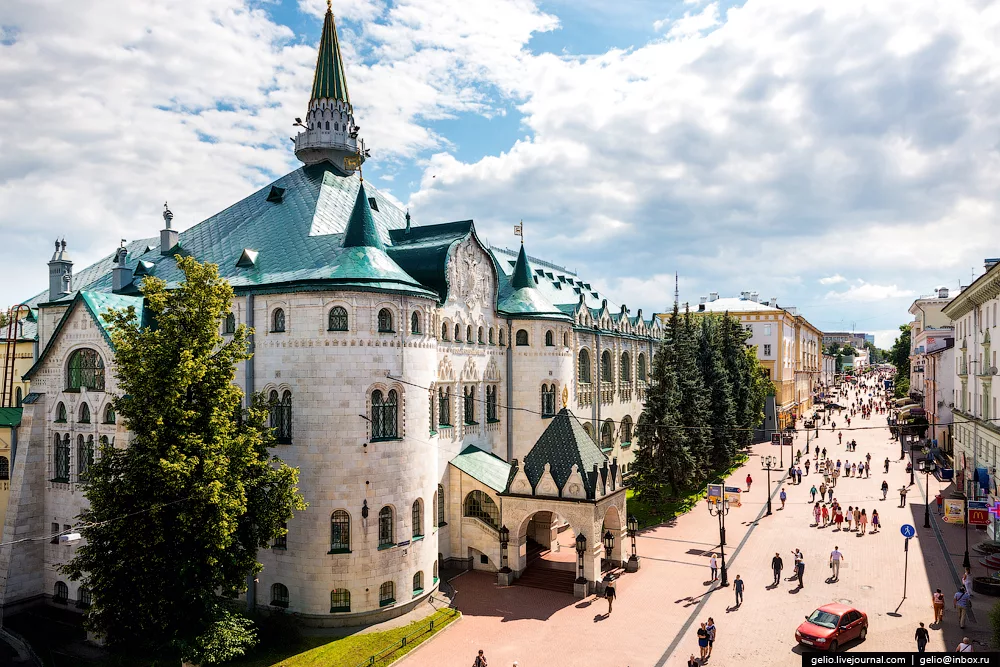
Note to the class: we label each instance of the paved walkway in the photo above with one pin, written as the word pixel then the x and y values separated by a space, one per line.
pixel 655 617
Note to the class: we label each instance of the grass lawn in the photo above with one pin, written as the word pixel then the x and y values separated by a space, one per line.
pixel 652 515
pixel 351 650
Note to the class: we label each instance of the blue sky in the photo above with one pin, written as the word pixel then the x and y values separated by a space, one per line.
pixel 838 156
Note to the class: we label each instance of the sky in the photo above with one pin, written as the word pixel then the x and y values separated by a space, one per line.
pixel 840 156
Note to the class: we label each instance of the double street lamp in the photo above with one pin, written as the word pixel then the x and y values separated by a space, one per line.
pixel 769 463
pixel 927 466
pixel 721 509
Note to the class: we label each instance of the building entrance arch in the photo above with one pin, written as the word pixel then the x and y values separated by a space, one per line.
pixel 546 555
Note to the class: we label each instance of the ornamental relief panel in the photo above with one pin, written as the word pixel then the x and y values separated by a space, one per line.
pixel 470 277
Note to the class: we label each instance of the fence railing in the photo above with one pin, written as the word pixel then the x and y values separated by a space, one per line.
pixel 387 655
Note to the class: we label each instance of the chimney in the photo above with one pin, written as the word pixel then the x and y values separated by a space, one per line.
pixel 168 236
pixel 60 272
pixel 990 262
pixel 121 275
pixel 713 296
pixel 755 297
pixel 773 302
pixel 942 292
pixel 744 296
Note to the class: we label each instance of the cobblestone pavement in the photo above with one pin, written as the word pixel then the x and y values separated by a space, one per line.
pixel 658 609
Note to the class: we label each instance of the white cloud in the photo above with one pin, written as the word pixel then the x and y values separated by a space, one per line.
pixel 832 280
pixel 863 292
pixel 690 24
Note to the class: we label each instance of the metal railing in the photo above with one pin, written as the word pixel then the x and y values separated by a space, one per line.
pixel 387 655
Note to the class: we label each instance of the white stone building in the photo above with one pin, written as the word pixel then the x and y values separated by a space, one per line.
pixel 430 389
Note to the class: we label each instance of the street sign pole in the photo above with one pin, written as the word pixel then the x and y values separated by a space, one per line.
pixel 906 563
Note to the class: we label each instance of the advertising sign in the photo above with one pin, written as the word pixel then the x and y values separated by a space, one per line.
pixel 787 440
pixel 979 513
pixel 954 510
pixel 775 438
pixel 714 494
pixel 733 496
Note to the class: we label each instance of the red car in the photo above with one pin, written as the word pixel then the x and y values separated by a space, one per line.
pixel 831 626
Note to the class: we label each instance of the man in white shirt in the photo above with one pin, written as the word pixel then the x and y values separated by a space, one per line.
pixel 714 566
pixel 835 558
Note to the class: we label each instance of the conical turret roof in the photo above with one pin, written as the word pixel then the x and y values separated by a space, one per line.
pixel 361 230
pixel 521 297
pixel 330 82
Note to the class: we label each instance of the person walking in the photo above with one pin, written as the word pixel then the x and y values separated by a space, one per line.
pixel 609 594
pixel 835 559
pixel 961 602
pixel 749 482
pixel 776 566
pixel 849 517
pixel 807 467
pixel 857 518
pixel 863 522
pixel 738 589
pixel 703 642
pixel 713 566
pixel 824 453
pixel 822 490
pixel 965 646
pixel 480 660
pixel 885 489
pixel 711 636
pixel 966 578
pixel 826 516
pixel 812 494
pixel 800 569
pixel 868 469
pixel 817 513
pixel 829 493
pixel 887 465
pixel 782 496
pixel 902 496
pixel 838 518
pixel 693 661
pixel 938 601
pixel 875 521
pixel 922 638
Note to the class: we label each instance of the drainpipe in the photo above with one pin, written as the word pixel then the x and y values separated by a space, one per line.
pixel 510 395
pixel 595 409
pixel 248 389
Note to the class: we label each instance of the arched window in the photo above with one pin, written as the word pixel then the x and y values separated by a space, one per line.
pixel 435 571
pixel 548 400
pixel 18 397
pixel 626 367
pixel 549 339
pixel 84 598
pixel 61 463
pixel 327 125
pixel 583 366
pixel 386 594
pixel 521 337
pixel 229 326
pixel 458 333
pixel 444 406
pixel 385 532
pixel 340 600
pixel 469 404
pixel 565 340
pixel 281 416
pixel 337 319
pixel 84 456
pixel 281 541
pixel 606 374
pixel 415 322
pixel 418 583
pixel 468 335
pixel 84 414
pixel 61 412
pixel 440 506
pixel 60 593
pixel 493 338
pixel 481 341
pixel 589 428
pixel 608 434
pixel 385 321
pixel 480 506
pixel 4 468
pixel 626 430
pixel 385 422
pixel 491 403
pixel 109 414
pixel 502 337
pixel 278 320
pixel 642 367
pixel 279 595
pixel 86 371
pixel 417 512
pixel 340 532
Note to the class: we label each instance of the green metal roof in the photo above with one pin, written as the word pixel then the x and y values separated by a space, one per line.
pixel 488 468
pixel 563 443
pixel 520 296
pixel 10 417
pixel 329 82
pixel 521 277
pixel 361 229
pixel 423 252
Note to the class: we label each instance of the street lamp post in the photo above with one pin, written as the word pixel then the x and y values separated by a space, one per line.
pixel 633 529
pixel 609 545
pixel 721 509
pixel 927 466
pixel 504 541
pixel 581 548
pixel 767 462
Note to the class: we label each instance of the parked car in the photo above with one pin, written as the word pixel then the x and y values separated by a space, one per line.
pixel 831 626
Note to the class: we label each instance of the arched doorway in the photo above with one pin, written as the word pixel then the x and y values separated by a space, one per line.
pixel 549 552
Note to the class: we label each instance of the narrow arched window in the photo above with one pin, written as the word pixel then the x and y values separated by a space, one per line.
pixel 480 338
pixel 84 456
pixel 418 583
pixel 491 403
pixel 606 373
pixel 415 323
pixel 444 406
pixel 385 321
pixel 85 371
pixel 278 320
pixel 589 428
pixel 583 366
pixel 327 125
pixel 549 339
pixel 521 338
pixel 385 415
pixel 340 600
pixel 642 367
pixel 280 412
pixel 607 434
pixel 84 414
pixel 18 397
pixel 444 331
pixel 386 594
pixel 61 412
pixel 626 367
pixel 84 598
pixel 469 396
pixel 502 337
pixel 565 340
pixel 279 595
pixel 385 532
pixel 61 463
pixel 468 335
pixel 60 594
pixel 4 468
pixel 337 319
pixel 492 337
pixel 418 518
pixel 340 532
pixel 435 571
pixel 109 414
pixel 458 333
pixel 626 430
pixel 480 506
pixel 229 326
pixel 440 506
pixel 548 400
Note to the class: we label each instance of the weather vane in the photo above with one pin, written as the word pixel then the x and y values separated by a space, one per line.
pixel 519 231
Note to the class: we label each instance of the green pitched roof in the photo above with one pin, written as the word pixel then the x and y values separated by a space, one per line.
pixel 488 468
pixel 10 417
pixel 563 443
pixel 521 277
pixel 329 81
pixel 361 229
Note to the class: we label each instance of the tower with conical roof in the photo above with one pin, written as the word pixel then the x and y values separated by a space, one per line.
pixel 329 132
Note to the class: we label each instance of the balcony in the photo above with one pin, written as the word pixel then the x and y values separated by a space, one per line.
pixel 625 392
pixel 585 393
pixel 607 393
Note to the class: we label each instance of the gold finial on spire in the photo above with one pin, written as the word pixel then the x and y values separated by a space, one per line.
pixel 329 5
pixel 519 230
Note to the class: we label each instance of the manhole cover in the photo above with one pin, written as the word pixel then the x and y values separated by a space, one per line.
pixel 866 587
pixel 844 601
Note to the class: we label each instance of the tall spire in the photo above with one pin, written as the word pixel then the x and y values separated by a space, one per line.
pixel 521 277
pixel 329 81
pixel 361 230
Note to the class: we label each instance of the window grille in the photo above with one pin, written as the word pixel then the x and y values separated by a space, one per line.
pixel 480 506
pixel 278 321
pixel 385 415
pixel 337 319
pixel 385 321
pixel 340 531
pixel 279 595
pixel 583 367
pixel 385 533
pixel 548 400
pixel 86 371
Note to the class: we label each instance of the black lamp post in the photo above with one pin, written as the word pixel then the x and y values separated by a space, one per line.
pixel 504 541
pixel 927 466
pixel 633 529
pixel 721 509
pixel 911 466
pixel 966 563
pixel 609 545
pixel 767 462
pixel 581 548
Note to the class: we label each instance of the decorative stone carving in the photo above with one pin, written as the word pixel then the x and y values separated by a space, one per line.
pixel 546 485
pixel 446 373
pixel 492 371
pixel 574 485
pixel 469 276
pixel 470 373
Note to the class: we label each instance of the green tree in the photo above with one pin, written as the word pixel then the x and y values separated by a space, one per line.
pixel 695 396
pixel 899 354
pixel 176 518
pixel 721 408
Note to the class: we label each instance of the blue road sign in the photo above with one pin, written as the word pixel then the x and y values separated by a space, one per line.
pixel 907 530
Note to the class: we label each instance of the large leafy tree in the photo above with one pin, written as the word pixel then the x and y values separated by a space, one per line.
pixel 177 516
pixel 899 354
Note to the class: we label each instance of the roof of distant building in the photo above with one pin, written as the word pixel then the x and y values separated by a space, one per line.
pixel 736 305
pixel 485 467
